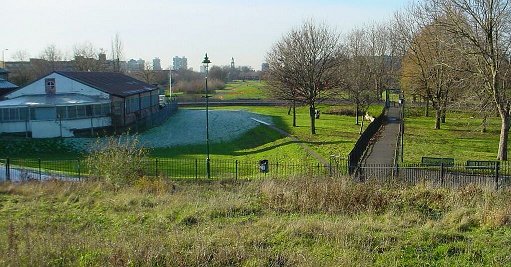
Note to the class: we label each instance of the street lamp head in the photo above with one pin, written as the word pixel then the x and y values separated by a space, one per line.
pixel 206 59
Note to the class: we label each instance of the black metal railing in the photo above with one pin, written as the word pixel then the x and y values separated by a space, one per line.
pixel 38 169
pixel 363 141
pixel 491 175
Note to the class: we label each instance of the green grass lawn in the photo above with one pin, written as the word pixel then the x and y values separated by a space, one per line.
pixel 236 90
pixel 242 90
pixel 335 134
pixel 304 222
pixel 459 138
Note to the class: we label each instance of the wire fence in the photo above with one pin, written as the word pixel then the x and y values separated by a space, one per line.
pixel 495 176
pixel 37 169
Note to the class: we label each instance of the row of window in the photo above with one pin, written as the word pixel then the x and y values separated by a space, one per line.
pixel 13 114
pixel 49 113
pixel 83 111
pixel 135 104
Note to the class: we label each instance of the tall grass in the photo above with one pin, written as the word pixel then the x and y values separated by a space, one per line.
pixel 119 161
pixel 327 222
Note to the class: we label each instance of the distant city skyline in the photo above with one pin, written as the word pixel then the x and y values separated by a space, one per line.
pixel 167 28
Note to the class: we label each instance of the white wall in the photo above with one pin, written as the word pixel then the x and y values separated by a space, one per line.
pixel 63 85
pixel 48 129
pixel 14 127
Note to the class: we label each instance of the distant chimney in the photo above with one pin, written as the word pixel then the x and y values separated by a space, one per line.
pixel 102 57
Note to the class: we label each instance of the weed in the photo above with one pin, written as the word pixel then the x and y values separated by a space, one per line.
pixel 119 162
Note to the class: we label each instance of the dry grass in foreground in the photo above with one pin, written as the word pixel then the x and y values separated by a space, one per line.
pixel 319 222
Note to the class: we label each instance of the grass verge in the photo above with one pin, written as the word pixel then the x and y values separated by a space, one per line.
pixel 324 222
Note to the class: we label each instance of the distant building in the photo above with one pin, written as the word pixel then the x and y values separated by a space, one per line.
pixel 265 67
pixel 23 72
pixel 180 63
pixel 141 64
pixel 156 64
pixel 136 65
pixel 68 103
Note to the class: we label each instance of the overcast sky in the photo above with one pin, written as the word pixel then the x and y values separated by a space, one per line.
pixel 243 29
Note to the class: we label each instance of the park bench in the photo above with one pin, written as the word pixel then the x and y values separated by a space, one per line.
pixel 481 164
pixel 430 161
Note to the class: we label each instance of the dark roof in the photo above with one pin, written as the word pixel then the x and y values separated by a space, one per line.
pixel 4 84
pixel 113 83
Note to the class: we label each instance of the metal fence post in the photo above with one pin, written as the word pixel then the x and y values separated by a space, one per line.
pixel 442 174
pixel 330 167
pixel 196 169
pixel 236 170
pixel 8 169
pixel 79 172
pixel 156 169
pixel 39 163
pixel 497 167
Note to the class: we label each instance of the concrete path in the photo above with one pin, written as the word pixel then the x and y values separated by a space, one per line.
pixel 382 149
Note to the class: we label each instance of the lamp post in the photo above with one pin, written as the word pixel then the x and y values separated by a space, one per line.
pixel 206 61
pixel 3 57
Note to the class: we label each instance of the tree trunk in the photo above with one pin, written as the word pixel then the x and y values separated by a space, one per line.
pixel 289 110
pixel 312 115
pixel 427 108
pixel 356 114
pixel 485 123
pixel 504 135
pixel 437 118
pixel 443 115
pixel 294 113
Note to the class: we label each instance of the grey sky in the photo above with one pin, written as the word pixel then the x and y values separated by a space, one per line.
pixel 241 29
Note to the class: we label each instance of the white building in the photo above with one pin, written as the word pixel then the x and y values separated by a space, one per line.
pixel 62 104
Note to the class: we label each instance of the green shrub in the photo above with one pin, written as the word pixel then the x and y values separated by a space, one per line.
pixel 118 162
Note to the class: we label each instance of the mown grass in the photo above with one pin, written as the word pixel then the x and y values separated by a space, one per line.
pixel 335 134
pixel 460 137
pixel 319 222
pixel 239 90
pixel 236 90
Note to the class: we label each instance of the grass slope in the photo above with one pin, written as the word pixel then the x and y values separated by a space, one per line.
pixel 322 222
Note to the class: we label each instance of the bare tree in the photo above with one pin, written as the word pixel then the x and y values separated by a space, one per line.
pixel 86 56
pixel 147 74
pixel 305 60
pixel 52 54
pixel 383 57
pixel 485 26
pixel 21 55
pixel 354 68
pixel 431 69
pixel 117 53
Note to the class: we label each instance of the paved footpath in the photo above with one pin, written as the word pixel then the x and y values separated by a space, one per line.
pixel 383 147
